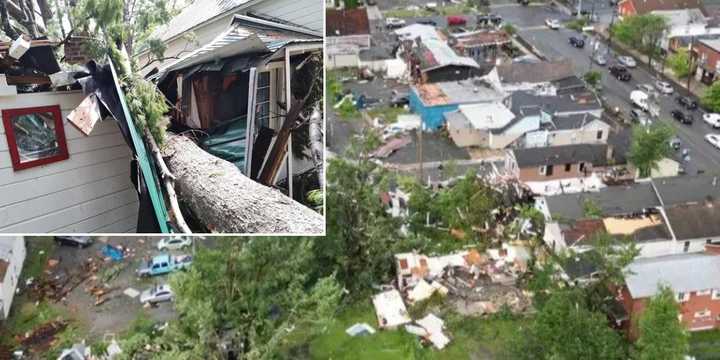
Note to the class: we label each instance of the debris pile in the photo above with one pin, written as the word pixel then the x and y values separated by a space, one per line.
pixel 41 339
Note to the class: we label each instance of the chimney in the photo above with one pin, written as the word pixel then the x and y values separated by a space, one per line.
pixel 713 249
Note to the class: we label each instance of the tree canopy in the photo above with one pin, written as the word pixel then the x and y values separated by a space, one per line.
pixel 641 32
pixel 662 336
pixel 649 146
pixel 564 328
pixel 711 98
pixel 679 62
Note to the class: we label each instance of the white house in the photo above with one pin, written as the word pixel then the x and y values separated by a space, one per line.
pixel 684 23
pixel 12 257
pixel 54 178
pixel 203 20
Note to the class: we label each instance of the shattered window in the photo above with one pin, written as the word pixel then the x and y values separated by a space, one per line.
pixel 35 136
pixel 262 114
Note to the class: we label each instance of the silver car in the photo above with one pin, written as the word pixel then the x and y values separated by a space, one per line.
pixel 600 60
pixel 157 294
pixel 627 61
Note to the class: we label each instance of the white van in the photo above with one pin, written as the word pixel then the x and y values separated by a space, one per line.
pixel 640 99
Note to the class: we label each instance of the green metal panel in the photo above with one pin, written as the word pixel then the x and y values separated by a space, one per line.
pixel 147 165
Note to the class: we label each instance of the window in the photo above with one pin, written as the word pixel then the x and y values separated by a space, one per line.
pixel 715 294
pixel 686 246
pixel 582 166
pixel 704 292
pixel 549 170
pixel 35 136
pixel 704 313
pixel 568 167
pixel 599 134
pixel 683 297
pixel 543 169
pixel 262 112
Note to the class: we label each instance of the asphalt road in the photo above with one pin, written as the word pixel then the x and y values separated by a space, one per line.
pixel 554 45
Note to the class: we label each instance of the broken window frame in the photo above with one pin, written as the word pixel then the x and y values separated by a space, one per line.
pixel 9 114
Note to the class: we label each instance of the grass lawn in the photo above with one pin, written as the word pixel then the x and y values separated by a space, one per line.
pixel 705 345
pixel 470 338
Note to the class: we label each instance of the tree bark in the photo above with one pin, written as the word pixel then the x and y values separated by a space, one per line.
pixel 226 201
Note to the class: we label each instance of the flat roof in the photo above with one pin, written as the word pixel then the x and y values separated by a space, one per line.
pixel 613 200
pixel 683 273
pixel 487 116
pixel 468 91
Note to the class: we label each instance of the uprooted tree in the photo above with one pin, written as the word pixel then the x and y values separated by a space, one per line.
pixel 216 192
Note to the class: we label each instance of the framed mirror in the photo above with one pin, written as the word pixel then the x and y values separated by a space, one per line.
pixel 35 136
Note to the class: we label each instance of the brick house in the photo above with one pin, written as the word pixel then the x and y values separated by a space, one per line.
pixel 707 51
pixel 641 7
pixel 692 277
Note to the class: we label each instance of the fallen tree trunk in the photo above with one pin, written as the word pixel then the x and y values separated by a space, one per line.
pixel 227 201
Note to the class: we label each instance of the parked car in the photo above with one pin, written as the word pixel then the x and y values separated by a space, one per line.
pixel 713 139
pixel 675 143
pixel 681 117
pixel 552 23
pixel 664 87
pixel 431 6
pixel 164 264
pixel 456 20
pixel 600 59
pixel 577 42
pixel 712 119
pixel 627 61
pixel 687 102
pixel 398 100
pixel 174 243
pixel 640 117
pixel 75 241
pixel 646 88
pixel 620 72
pixel 157 294
pixel 427 22
pixel 394 23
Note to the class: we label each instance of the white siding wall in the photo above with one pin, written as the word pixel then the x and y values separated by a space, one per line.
pixel 12 250
pixel 89 192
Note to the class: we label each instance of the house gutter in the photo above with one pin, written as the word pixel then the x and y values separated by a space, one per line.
pixel 662 211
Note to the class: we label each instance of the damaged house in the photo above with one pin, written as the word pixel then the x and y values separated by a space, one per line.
pixel 74 160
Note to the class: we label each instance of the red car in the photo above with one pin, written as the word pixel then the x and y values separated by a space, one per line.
pixel 456 20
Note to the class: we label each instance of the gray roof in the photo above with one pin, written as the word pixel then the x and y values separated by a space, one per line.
pixel 557 155
pixel 582 265
pixel 694 221
pixel 686 189
pixel 195 14
pixel 683 273
pixel 526 102
pixel 613 200
pixel 572 121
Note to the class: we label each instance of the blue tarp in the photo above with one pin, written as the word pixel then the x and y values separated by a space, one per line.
pixel 228 141
pixel 113 253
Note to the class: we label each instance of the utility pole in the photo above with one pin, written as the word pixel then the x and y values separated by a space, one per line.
pixel 692 57
pixel 610 33
pixel 419 153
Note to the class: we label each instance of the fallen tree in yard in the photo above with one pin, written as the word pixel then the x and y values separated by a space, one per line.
pixel 225 200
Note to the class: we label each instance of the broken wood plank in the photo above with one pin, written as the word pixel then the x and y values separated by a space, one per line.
pixel 28 79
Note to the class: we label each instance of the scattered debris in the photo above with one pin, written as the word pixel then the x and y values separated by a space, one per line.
pixel 390 309
pixel 391 146
pixel 41 339
pixel 434 327
pixel 360 329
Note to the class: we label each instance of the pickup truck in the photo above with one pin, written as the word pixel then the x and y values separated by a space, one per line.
pixel 164 264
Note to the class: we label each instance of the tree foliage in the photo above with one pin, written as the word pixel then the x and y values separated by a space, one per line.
pixel 649 146
pixel 641 32
pixel 361 236
pixel 592 78
pixel 565 329
pixel 662 336
pixel 679 62
pixel 711 98
pixel 251 294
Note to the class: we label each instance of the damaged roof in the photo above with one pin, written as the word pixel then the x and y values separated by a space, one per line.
pixel 197 13
pixel 475 90
pixel 529 103
pixel 246 35
pixel 535 72
pixel 481 38
pixel 343 22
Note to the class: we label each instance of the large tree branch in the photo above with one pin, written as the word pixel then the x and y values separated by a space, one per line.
pixel 226 201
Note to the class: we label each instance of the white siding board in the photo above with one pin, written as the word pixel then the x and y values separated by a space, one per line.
pixel 8 176
pixel 90 190
pixel 16 213
pixel 25 190
pixel 307 13
pixel 73 214
pixel 121 217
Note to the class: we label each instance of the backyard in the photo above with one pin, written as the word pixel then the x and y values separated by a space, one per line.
pixel 471 338
pixel 705 345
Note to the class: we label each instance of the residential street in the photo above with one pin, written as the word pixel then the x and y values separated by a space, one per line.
pixel 554 45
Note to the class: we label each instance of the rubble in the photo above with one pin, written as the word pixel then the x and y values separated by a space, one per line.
pixel 360 329
pixel 390 309
pixel 42 338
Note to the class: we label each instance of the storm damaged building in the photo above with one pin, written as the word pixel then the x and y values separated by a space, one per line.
pixel 75 158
